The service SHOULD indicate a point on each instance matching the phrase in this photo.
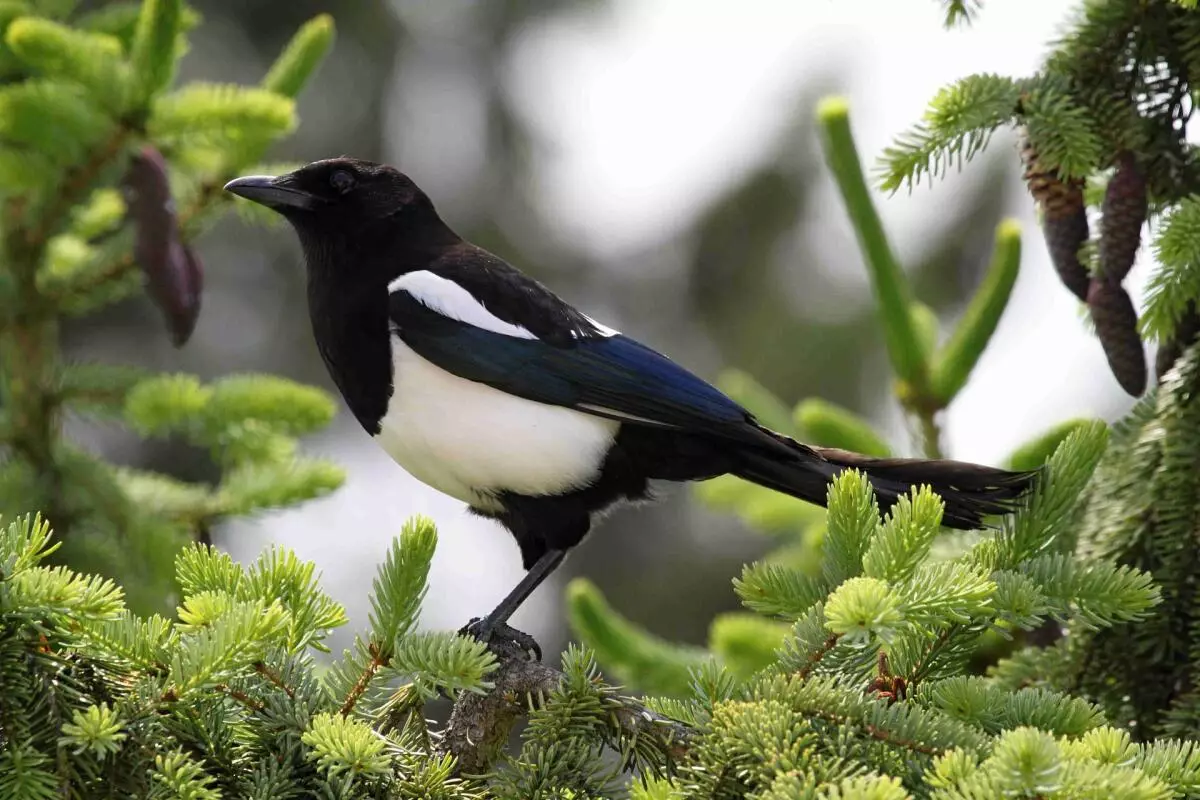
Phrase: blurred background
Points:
(655, 163)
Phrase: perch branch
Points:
(480, 724)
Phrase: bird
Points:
(484, 384)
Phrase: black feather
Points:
(971, 492)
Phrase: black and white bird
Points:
(485, 385)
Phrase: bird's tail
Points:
(970, 491)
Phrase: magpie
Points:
(485, 385)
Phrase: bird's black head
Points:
(337, 196)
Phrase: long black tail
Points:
(970, 491)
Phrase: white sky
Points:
(650, 108)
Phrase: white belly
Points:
(467, 439)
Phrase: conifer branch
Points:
(377, 662)
(890, 283)
(921, 667)
(480, 724)
(74, 184)
(266, 672)
(816, 657)
(879, 733)
(243, 698)
(122, 264)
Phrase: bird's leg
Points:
(496, 623)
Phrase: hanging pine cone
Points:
(1124, 208)
(1116, 327)
(1170, 350)
(1064, 220)
(172, 272)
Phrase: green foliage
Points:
(400, 586)
(960, 355)
(1033, 454)
(876, 690)
(853, 521)
(960, 12)
(928, 378)
(903, 542)
(828, 425)
(887, 279)
(155, 47)
(53, 50)
(221, 114)
(1053, 500)
(54, 118)
(862, 692)
(342, 745)
(856, 672)
(82, 94)
(957, 126)
(1141, 512)
(633, 655)
(1114, 85)
(820, 716)
(1175, 285)
(301, 57)
(227, 701)
(392, 649)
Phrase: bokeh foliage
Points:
(85, 95)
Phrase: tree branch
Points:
(480, 724)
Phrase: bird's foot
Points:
(482, 629)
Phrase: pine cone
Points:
(1116, 327)
(1125, 206)
(1170, 350)
(173, 274)
(1064, 220)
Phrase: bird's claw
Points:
(479, 628)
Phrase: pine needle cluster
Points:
(850, 681)
(108, 173)
(235, 697)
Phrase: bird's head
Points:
(340, 196)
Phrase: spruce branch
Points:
(960, 12)
(955, 362)
(830, 425)
(155, 46)
(635, 656)
(75, 183)
(480, 724)
(890, 283)
(815, 659)
(957, 126)
(274, 678)
(300, 58)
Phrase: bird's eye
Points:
(341, 180)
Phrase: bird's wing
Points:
(589, 368)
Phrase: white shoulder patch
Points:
(605, 331)
(451, 300)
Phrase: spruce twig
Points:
(889, 280)
(816, 657)
(480, 724)
(377, 662)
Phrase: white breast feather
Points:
(465, 438)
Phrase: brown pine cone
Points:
(1124, 208)
(1064, 220)
(1116, 327)
(172, 272)
(1170, 350)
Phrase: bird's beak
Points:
(271, 192)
